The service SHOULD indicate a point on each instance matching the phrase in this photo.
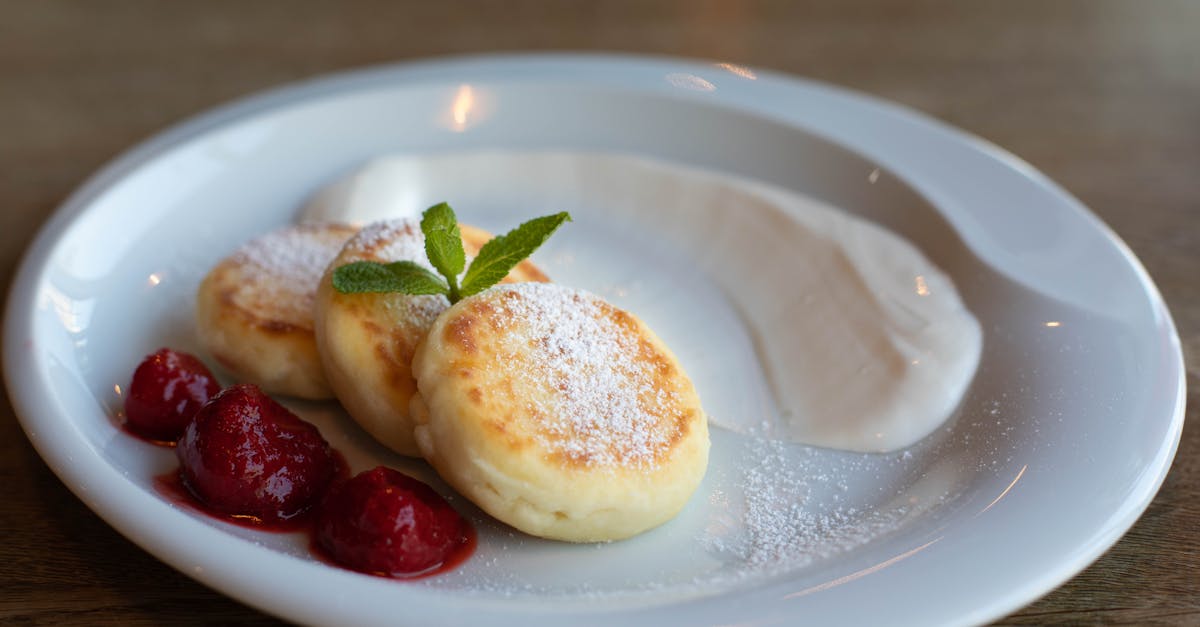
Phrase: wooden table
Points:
(1104, 97)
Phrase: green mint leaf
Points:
(503, 253)
(398, 276)
(443, 243)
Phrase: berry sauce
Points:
(167, 389)
(386, 523)
(245, 459)
(244, 454)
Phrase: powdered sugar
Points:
(278, 273)
(604, 406)
(389, 240)
(295, 256)
(789, 512)
(766, 509)
(398, 240)
(416, 311)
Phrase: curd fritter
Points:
(254, 309)
(558, 413)
(367, 340)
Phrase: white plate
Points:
(1063, 440)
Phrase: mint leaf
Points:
(443, 244)
(444, 248)
(503, 253)
(398, 276)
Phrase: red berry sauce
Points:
(386, 523)
(245, 455)
(246, 459)
(167, 389)
(171, 487)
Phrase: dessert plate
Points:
(1062, 440)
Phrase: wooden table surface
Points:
(1103, 96)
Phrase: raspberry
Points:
(388, 523)
(168, 388)
(246, 455)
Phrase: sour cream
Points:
(866, 345)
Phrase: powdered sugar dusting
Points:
(776, 526)
(294, 256)
(398, 240)
(603, 407)
(767, 509)
(418, 311)
(279, 272)
(389, 240)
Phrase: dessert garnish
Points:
(444, 247)
(246, 456)
(387, 523)
(248, 460)
(167, 389)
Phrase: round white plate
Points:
(1063, 439)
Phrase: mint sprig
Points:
(443, 245)
(398, 276)
(501, 254)
(444, 248)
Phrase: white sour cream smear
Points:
(866, 344)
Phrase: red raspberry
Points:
(168, 388)
(246, 455)
(388, 523)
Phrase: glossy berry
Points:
(168, 388)
(388, 523)
(246, 455)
